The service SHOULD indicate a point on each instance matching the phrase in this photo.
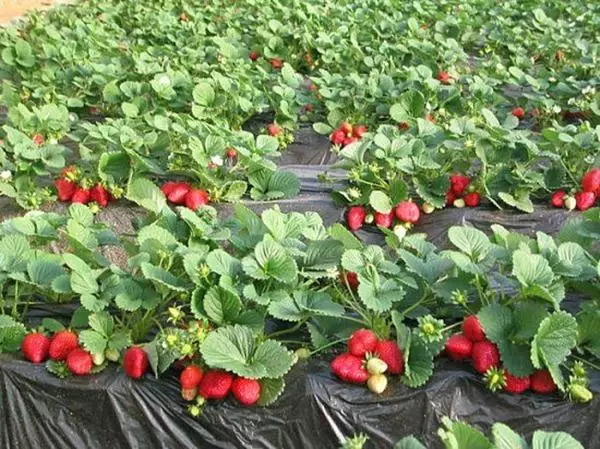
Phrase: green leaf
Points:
(222, 263)
(270, 391)
(102, 323)
(322, 128)
(340, 233)
(465, 437)
(531, 269)
(84, 282)
(270, 260)
(52, 325)
(497, 321)
(419, 366)
(490, 118)
(554, 440)
(506, 438)
(94, 342)
(11, 334)
(471, 241)
(380, 202)
(130, 110)
(409, 443)
(204, 94)
(43, 272)
(222, 306)
(410, 106)
(164, 278)
(146, 194)
(555, 339)
(235, 191)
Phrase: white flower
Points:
(217, 160)
(5, 175)
(556, 109)
(552, 79)
(164, 81)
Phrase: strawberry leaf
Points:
(419, 366)
(556, 337)
(270, 390)
(554, 440)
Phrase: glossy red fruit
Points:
(80, 362)
(65, 189)
(355, 217)
(273, 129)
(472, 199)
(215, 385)
(189, 380)
(485, 355)
(246, 391)
(61, 344)
(276, 63)
(450, 198)
(518, 112)
(231, 153)
(429, 118)
(337, 137)
(404, 126)
(81, 196)
(558, 198)
(349, 140)
(458, 184)
(177, 192)
(359, 130)
(254, 55)
(352, 279)
(350, 368)
(472, 329)
(585, 200)
(196, 198)
(389, 352)
(516, 385)
(361, 342)
(443, 77)
(308, 107)
(459, 347)
(384, 220)
(135, 362)
(35, 347)
(346, 128)
(38, 139)
(407, 212)
(99, 195)
(542, 383)
(591, 181)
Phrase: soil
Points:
(13, 9)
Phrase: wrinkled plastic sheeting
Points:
(316, 410)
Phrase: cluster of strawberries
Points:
(182, 193)
(462, 192)
(64, 347)
(69, 189)
(584, 199)
(367, 359)
(485, 358)
(406, 213)
(216, 385)
(346, 134)
(276, 63)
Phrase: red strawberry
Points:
(308, 107)
(196, 198)
(189, 379)
(458, 184)
(384, 220)
(177, 192)
(349, 140)
(231, 153)
(361, 342)
(459, 347)
(350, 368)
(276, 63)
(514, 384)
(484, 356)
(472, 329)
(215, 385)
(35, 347)
(246, 391)
(254, 55)
(407, 212)
(346, 128)
(183, 17)
(450, 198)
(337, 137)
(591, 181)
(61, 344)
(518, 112)
(359, 131)
(81, 196)
(68, 172)
(585, 200)
(541, 382)
(65, 189)
(100, 195)
(273, 129)
(559, 55)
(80, 362)
(443, 77)
(355, 217)
(390, 353)
(168, 187)
(403, 126)
(135, 362)
(429, 118)
(38, 139)
(472, 199)
(352, 279)
(558, 198)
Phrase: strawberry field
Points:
(301, 224)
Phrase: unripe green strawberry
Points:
(400, 231)
(580, 394)
(459, 203)
(570, 203)
(112, 355)
(427, 208)
(376, 366)
(302, 353)
(98, 358)
(377, 383)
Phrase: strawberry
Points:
(443, 77)
(81, 196)
(352, 279)
(541, 382)
(484, 356)
(308, 107)
(254, 55)
(359, 131)
(135, 362)
(376, 366)
(558, 198)
(518, 112)
(215, 385)
(559, 55)
(189, 379)
(472, 199)
(349, 140)
(430, 118)
(168, 187)
(346, 128)
(196, 198)
(35, 347)
(459, 347)
(231, 153)
(407, 212)
(276, 63)
(389, 352)
(361, 342)
(183, 17)
(100, 195)
(377, 383)
(591, 181)
(246, 391)
(177, 192)
(570, 203)
(458, 184)
(384, 220)
(450, 198)
(61, 344)
(349, 368)
(65, 189)
(472, 329)
(38, 139)
(514, 384)
(273, 129)
(403, 126)
(80, 362)
(585, 200)
(337, 137)
(459, 203)
(355, 217)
